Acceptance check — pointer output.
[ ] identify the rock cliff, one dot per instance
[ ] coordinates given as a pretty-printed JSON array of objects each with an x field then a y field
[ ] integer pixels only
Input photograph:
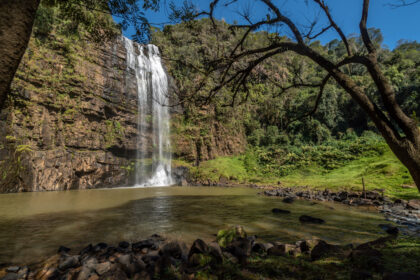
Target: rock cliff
[{"x": 71, "y": 120}]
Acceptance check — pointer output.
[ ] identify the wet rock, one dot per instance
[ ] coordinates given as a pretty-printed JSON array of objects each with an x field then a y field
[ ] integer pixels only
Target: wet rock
[
  {"x": 102, "y": 268},
  {"x": 175, "y": 249},
  {"x": 393, "y": 231},
  {"x": 86, "y": 250},
  {"x": 289, "y": 199},
  {"x": 63, "y": 249},
  {"x": 325, "y": 250},
  {"x": 390, "y": 229},
  {"x": 401, "y": 276},
  {"x": 280, "y": 211},
  {"x": 241, "y": 249},
  {"x": 13, "y": 269},
  {"x": 99, "y": 247},
  {"x": 215, "y": 251},
  {"x": 309, "y": 219},
  {"x": 137, "y": 247},
  {"x": 129, "y": 266},
  {"x": 198, "y": 247},
  {"x": 123, "y": 244},
  {"x": 69, "y": 262}
]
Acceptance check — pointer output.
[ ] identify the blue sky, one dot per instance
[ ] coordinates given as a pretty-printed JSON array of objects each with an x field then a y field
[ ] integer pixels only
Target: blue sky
[{"x": 395, "y": 23}]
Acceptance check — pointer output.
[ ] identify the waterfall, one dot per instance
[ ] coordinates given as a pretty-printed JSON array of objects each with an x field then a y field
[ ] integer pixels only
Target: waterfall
[{"x": 153, "y": 168}]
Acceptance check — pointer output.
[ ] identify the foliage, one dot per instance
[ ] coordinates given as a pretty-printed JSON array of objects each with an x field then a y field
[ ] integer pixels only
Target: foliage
[
  {"x": 337, "y": 164},
  {"x": 189, "y": 48},
  {"x": 93, "y": 18}
]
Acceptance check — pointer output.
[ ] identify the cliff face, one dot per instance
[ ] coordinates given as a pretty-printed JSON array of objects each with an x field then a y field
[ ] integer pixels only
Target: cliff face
[{"x": 71, "y": 121}]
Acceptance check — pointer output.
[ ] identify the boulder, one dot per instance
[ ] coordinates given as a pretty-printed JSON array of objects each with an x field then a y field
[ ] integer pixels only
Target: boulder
[
  {"x": 129, "y": 266},
  {"x": 309, "y": 219},
  {"x": 138, "y": 246},
  {"x": 174, "y": 249},
  {"x": 63, "y": 249},
  {"x": 123, "y": 244},
  {"x": 69, "y": 262},
  {"x": 241, "y": 248},
  {"x": 215, "y": 251},
  {"x": 102, "y": 268},
  {"x": 198, "y": 247},
  {"x": 280, "y": 211}
]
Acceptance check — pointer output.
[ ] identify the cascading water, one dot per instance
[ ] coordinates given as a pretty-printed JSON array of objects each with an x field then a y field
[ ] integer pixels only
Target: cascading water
[{"x": 152, "y": 168}]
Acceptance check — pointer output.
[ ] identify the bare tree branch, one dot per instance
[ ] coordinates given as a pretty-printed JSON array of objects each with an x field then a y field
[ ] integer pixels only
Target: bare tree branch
[{"x": 334, "y": 25}]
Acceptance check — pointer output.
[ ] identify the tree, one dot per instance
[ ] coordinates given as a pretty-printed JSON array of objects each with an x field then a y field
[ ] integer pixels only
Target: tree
[
  {"x": 17, "y": 20},
  {"x": 400, "y": 131}
]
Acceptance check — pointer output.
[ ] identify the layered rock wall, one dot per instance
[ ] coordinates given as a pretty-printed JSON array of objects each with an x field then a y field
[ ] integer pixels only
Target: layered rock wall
[{"x": 71, "y": 120}]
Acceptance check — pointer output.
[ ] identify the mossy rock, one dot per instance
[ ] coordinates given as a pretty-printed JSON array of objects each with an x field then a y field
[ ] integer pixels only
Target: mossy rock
[{"x": 226, "y": 236}]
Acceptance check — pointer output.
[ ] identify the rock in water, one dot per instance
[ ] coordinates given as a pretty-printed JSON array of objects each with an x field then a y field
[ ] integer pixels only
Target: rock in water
[
  {"x": 288, "y": 199},
  {"x": 312, "y": 220},
  {"x": 280, "y": 211}
]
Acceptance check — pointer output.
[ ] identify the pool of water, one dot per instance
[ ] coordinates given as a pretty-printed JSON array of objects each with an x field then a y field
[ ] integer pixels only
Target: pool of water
[{"x": 34, "y": 225}]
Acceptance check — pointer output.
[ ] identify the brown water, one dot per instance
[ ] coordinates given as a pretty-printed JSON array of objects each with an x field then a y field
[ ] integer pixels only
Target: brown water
[{"x": 34, "y": 225}]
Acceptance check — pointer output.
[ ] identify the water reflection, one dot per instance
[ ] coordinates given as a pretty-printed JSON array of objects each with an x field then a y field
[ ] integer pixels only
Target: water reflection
[{"x": 74, "y": 219}]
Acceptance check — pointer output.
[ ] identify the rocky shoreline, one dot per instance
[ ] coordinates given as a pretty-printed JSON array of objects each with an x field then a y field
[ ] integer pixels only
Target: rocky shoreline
[
  {"x": 405, "y": 213},
  {"x": 231, "y": 252}
]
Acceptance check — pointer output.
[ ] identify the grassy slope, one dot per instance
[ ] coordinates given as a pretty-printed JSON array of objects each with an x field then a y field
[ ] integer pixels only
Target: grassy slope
[{"x": 379, "y": 171}]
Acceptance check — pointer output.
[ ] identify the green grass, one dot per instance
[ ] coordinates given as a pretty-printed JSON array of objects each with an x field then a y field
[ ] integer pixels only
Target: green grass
[
  {"x": 338, "y": 166},
  {"x": 379, "y": 172}
]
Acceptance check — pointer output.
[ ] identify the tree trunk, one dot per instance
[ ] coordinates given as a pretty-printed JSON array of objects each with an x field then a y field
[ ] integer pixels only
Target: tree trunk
[
  {"x": 409, "y": 155},
  {"x": 16, "y": 21}
]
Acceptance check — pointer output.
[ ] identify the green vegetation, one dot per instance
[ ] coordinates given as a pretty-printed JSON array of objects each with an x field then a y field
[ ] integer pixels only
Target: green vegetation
[
  {"x": 337, "y": 164},
  {"x": 334, "y": 147}
]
